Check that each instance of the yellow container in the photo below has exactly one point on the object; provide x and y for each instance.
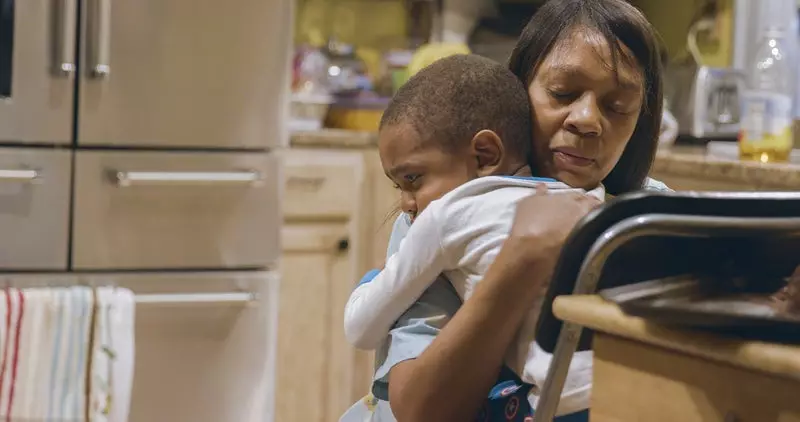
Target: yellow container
(356, 114)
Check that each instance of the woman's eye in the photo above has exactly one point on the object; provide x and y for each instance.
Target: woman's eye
(561, 95)
(621, 108)
(396, 186)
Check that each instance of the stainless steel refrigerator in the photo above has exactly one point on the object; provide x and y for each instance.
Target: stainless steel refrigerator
(138, 147)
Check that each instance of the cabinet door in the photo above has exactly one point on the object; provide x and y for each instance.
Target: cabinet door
(314, 369)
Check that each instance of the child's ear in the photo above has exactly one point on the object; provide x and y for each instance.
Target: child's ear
(488, 149)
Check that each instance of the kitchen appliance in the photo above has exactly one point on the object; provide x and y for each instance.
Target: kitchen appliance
(149, 73)
(704, 101)
(139, 147)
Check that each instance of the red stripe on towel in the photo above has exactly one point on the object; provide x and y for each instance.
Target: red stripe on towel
(5, 346)
(18, 330)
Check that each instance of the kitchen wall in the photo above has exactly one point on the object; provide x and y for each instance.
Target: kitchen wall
(382, 24)
(365, 23)
(672, 20)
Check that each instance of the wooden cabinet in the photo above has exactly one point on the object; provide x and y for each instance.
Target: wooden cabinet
(316, 273)
(334, 207)
(644, 371)
(636, 381)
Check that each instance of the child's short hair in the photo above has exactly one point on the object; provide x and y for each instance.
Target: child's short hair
(458, 96)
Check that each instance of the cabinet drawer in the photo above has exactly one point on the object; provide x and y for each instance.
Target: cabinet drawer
(34, 208)
(320, 189)
(175, 210)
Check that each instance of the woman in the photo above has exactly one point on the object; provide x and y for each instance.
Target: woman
(594, 79)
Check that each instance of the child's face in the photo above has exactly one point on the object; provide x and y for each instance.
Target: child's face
(421, 171)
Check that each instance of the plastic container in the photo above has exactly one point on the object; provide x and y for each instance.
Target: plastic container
(311, 94)
(767, 114)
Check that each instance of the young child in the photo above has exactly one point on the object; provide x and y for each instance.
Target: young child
(455, 140)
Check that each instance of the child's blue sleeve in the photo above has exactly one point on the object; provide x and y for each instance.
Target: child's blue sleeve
(371, 274)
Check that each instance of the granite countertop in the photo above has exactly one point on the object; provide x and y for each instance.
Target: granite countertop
(592, 311)
(693, 162)
(684, 161)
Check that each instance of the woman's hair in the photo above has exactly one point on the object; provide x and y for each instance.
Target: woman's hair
(621, 24)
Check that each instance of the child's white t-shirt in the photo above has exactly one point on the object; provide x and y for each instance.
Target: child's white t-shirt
(460, 235)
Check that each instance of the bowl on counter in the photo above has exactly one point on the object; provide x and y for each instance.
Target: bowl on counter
(361, 113)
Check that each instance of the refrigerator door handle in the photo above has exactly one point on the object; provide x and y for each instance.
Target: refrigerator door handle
(65, 39)
(100, 26)
(150, 178)
(21, 176)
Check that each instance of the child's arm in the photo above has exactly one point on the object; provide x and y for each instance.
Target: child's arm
(382, 297)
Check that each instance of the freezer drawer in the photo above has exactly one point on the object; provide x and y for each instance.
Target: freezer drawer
(34, 208)
(37, 44)
(175, 210)
(201, 73)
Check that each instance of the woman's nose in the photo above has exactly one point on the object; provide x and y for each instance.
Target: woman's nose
(584, 117)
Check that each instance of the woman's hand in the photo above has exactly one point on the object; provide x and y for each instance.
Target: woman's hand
(542, 224)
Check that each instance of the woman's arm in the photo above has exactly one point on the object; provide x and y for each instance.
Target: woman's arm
(451, 378)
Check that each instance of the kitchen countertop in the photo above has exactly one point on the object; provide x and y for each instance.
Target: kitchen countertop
(334, 138)
(596, 313)
(685, 161)
(692, 162)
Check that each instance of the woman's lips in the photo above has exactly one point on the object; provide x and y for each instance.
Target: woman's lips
(572, 157)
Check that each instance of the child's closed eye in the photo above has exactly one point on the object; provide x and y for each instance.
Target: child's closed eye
(408, 182)
(411, 178)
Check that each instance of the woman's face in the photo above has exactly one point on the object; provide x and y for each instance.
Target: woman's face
(583, 113)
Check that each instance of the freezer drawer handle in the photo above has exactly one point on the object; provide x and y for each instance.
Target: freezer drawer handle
(101, 39)
(130, 178)
(65, 43)
(28, 176)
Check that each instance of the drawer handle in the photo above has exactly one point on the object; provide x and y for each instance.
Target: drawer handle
(130, 178)
(19, 175)
(313, 183)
